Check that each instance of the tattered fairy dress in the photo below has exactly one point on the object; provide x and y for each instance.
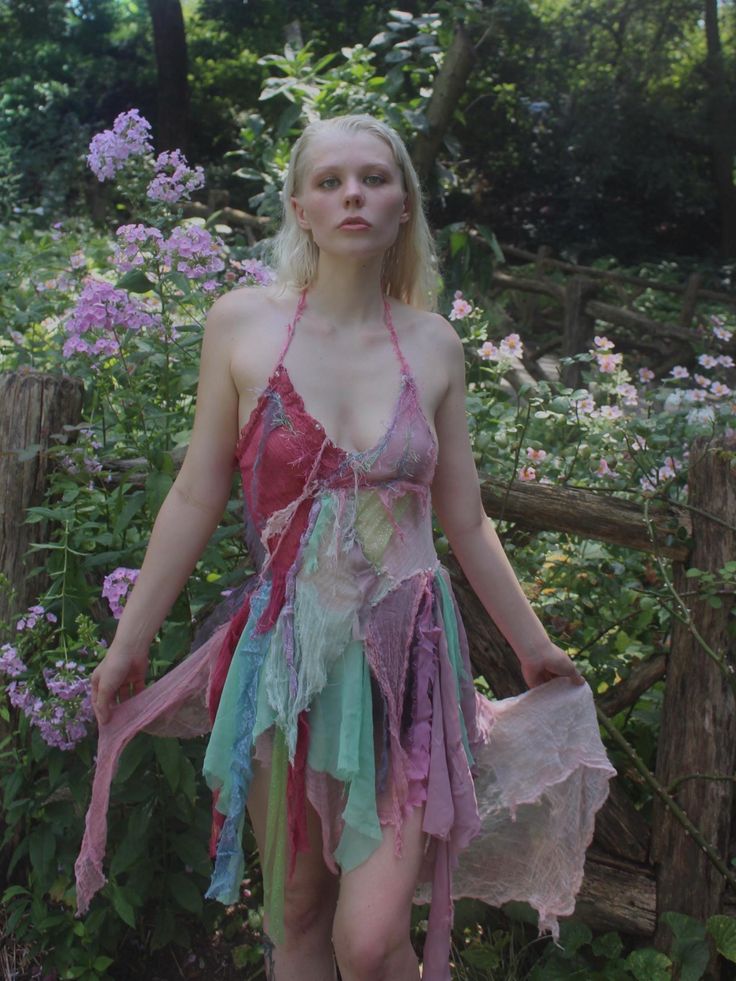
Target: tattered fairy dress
(345, 666)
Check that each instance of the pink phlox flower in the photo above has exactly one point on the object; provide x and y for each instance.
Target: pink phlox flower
(10, 664)
(720, 390)
(100, 314)
(136, 245)
(175, 179)
(110, 149)
(608, 363)
(628, 393)
(707, 360)
(512, 346)
(193, 251)
(645, 375)
(536, 456)
(116, 586)
(603, 343)
(680, 371)
(254, 272)
(527, 473)
(488, 351)
(460, 308)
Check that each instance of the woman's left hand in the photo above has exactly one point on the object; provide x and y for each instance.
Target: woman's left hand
(546, 663)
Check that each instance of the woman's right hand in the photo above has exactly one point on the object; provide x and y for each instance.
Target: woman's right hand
(118, 676)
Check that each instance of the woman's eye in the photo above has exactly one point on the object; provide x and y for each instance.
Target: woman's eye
(374, 179)
(329, 182)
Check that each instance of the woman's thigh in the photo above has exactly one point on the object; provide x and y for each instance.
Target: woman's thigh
(374, 904)
(311, 894)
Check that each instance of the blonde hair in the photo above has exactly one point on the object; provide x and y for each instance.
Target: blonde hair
(409, 271)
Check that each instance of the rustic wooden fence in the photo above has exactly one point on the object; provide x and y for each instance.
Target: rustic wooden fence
(577, 301)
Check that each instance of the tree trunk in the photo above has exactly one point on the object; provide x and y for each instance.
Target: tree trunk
(170, 44)
(34, 407)
(698, 728)
(448, 88)
(720, 125)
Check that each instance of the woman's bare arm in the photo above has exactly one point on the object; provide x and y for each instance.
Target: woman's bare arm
(457, 502)
(187, 518)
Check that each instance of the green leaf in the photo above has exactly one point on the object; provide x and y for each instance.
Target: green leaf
(723, 931)
(101, 964)
(185, 893)
(167, 754)
(573, 936)
(42, 847)
(135, 281)
(12, 891)
(133, 754)
(690, 951)
(122, 907)
(192, 851)
(158, 485)
(609, 946)
(648, 964)
(164, 929)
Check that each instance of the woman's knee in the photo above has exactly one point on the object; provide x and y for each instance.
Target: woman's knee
(309, 910)
(368, 947)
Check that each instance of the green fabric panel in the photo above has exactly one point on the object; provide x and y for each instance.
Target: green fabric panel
(341, 744)
(274, 861)
(217, 760)
(453, 650)
(373, 527)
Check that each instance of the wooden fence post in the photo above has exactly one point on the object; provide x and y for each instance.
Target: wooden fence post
(33, 406)
(578, 326)
(698, 729)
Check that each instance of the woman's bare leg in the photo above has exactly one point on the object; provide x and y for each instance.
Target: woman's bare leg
(373, 915)
(309, 901)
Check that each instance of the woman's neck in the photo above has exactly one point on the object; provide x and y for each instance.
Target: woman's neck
(347, 293)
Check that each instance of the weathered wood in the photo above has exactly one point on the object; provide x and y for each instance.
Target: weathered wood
(620, 830)
(577, 326)
(526, 285)
(636, 321)
(698, 727)
(640, 679)
(605, 274)
(617, 895)
(546, 507)
(690, 300)
(33, 406)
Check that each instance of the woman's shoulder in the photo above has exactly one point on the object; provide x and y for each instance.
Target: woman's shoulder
(425, 329)
(250, 305)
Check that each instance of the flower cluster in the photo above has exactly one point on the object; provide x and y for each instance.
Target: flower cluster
(116, 586)
(111, 149)
(10, 663)
(62, 718)
(253, 272)
(174, 179)
(35, 615)
(460, 307)
(101, 317)
(509, 348)
(196, 253)
(136, 246)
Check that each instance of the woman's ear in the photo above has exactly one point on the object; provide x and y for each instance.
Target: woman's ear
(405, 213)
(299, 212)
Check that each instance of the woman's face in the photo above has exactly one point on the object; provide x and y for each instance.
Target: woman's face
(352, 195)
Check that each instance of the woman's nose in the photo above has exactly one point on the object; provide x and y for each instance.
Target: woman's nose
(353, 192)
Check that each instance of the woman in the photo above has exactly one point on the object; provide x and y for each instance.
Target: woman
(343, 712)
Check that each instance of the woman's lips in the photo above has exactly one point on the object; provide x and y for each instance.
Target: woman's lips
(356, 223)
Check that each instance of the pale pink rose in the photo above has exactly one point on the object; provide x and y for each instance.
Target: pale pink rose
(488, 351)
(608, 363)
(603, 344)
(680, 371)
(707, 360)
(512, 344)
(460, 309)
(527, 473)
(645, 374)
(702, 380)
(611, 411)
(720, 390)
(536, 456)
